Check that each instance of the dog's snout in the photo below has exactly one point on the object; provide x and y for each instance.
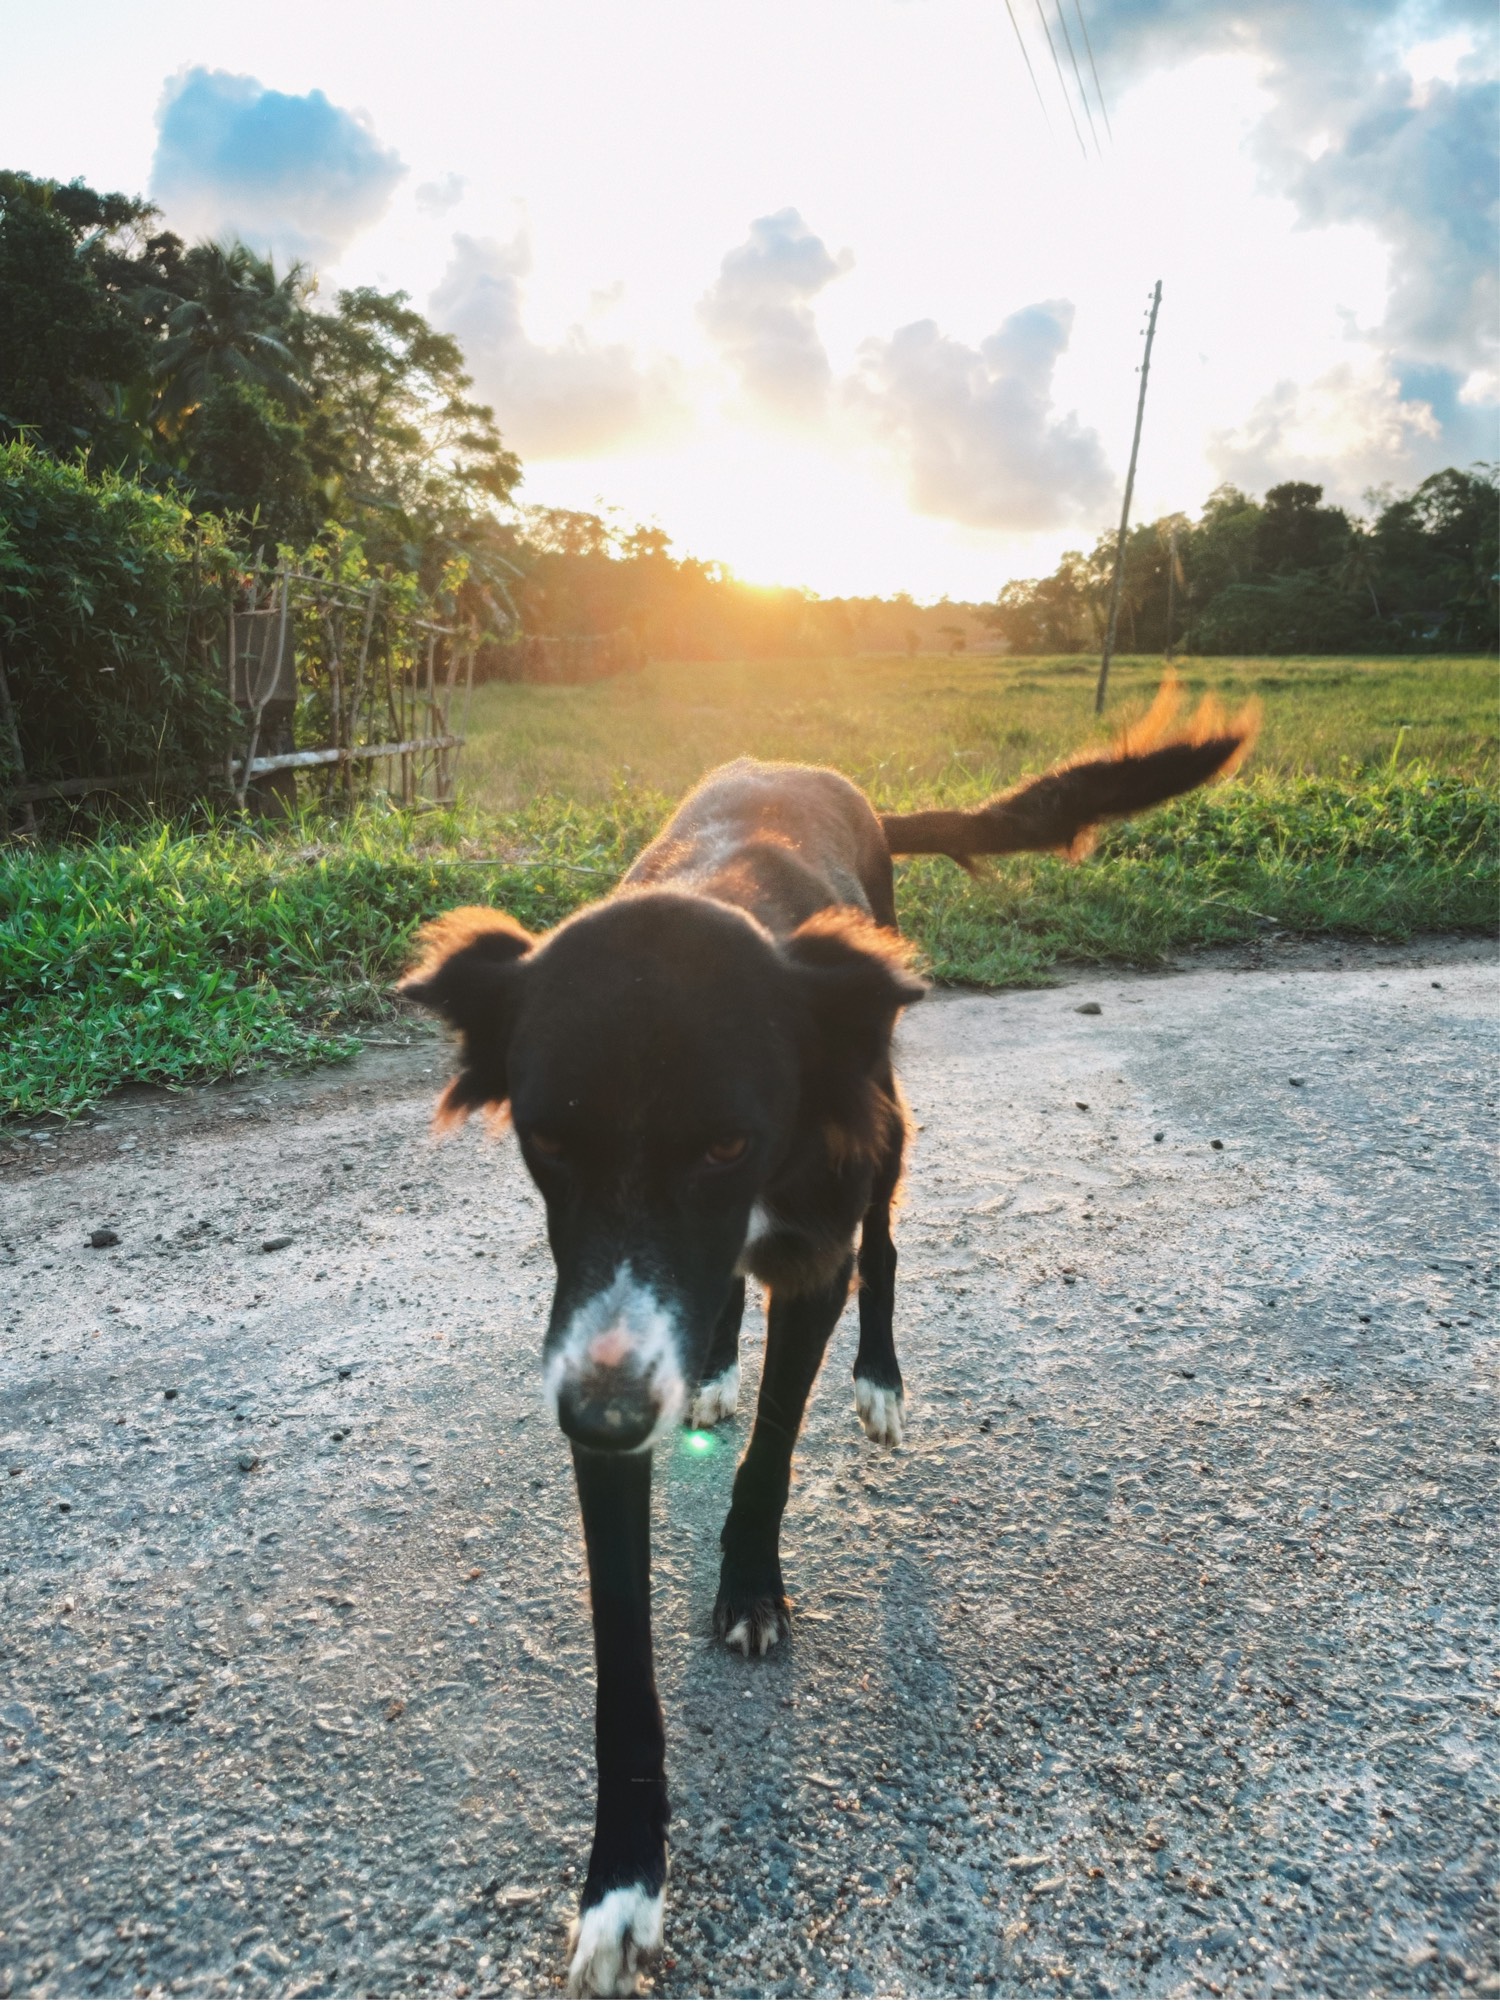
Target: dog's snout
(610, 1404)
(613, 1373)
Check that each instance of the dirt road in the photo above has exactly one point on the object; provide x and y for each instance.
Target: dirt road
(1162, 1660)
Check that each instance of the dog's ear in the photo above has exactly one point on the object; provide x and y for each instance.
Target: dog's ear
(855, 978)
(470, 971)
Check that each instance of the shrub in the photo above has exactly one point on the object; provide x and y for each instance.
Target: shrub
(1294, 614)
(247, 458)
(110, 596)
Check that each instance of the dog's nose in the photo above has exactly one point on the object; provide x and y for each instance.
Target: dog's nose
(613, 1408)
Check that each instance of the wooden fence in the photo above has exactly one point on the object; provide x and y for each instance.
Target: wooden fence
(360, 668)
(369, 674)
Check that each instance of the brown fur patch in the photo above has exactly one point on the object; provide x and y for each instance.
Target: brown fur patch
(453, 932)
(463, 1096)
(1152, 760)
(840, 929)
(1210, 720)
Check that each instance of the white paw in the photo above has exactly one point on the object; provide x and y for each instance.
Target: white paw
(714, 1400)
(882, 1412)
(757, 1632)
(612, 1941)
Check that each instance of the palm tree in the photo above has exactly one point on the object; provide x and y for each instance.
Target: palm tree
(1358, 567)
(237, 323)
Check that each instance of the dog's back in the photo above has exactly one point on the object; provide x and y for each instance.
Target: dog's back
(782, 841)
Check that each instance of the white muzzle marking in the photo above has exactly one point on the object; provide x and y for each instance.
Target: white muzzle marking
(626, 1322)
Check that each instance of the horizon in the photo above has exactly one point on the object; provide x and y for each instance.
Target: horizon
(778, 296)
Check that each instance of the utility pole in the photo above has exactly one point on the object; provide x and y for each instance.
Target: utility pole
(1135, 446)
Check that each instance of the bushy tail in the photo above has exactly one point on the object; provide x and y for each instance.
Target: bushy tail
(1150, 761)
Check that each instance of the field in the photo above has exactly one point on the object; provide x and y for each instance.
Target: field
(959, 728)
(167, 954)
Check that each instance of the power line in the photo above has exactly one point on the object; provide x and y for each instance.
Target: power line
(1062, 22)
(1067, 100)
(1026, 58)
(1098, 89)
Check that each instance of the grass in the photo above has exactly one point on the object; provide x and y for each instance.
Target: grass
(955, 729)
(168, 955)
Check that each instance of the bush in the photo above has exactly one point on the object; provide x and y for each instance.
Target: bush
(245, 457)
(1295, 614)
(109, 597)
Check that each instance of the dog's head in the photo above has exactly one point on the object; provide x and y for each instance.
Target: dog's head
(691, 1097)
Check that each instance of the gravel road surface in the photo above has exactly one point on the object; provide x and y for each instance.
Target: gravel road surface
(1164, 1659)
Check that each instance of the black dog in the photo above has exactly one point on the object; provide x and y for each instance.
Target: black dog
(699, 1073)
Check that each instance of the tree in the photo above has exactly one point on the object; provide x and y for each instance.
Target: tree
(243, 456)
(1435, 554)
(235, 321)
(1220, 548)
(1296, 535)
(1296, 613)
(1056, 614)
(212, 376)
(72, 339)
(1289, 575)
(410, 457)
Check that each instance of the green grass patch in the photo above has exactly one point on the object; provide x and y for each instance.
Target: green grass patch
(1380, 858)
(169, 955)
(939, 729)
(173, 956)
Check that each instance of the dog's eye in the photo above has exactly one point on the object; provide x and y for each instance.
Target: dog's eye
(726, 1152)
(548, 1145)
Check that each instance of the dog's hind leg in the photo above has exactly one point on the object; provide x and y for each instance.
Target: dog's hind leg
(718, 1394)
(878, 1393)
(752, 1613)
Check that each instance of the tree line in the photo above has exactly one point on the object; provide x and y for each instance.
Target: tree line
(1287, 574)
(274, 419)
(202, 374)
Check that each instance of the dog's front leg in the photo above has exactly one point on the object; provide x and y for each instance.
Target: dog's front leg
(619, 1924)
(752, 1614)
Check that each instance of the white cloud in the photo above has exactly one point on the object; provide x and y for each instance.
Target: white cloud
(437, 197)
(572, 400)
(1351, 429)
(299, 176)
(974, 428)
(1365, 126)
(758, 314)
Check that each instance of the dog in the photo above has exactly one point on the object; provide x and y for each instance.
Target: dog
(699, 1072)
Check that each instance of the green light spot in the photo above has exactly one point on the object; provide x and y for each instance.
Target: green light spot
(700, 1442)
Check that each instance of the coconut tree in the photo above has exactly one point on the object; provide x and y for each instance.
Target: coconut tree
(237, 322)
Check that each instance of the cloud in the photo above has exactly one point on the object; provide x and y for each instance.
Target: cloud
(1365, 124)
(1424, 174)
(437, 197)
(974, 426)
(296, 175)
(571, 401)
(758, 315)
(1353, 428)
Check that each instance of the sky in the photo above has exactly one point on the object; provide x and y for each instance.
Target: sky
(850, 293)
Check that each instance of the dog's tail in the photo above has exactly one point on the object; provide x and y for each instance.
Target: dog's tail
(1150, 761)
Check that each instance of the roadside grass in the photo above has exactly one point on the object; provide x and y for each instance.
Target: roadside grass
(172, 954)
